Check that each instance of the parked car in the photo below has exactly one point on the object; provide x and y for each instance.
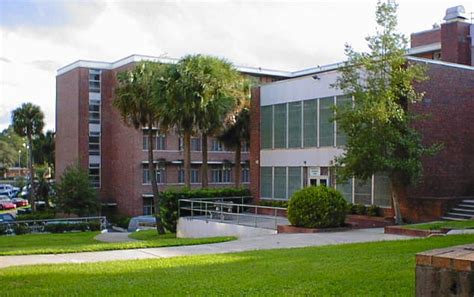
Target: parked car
(8, 190)
(6, 217)
(20, 202)
(6, 203)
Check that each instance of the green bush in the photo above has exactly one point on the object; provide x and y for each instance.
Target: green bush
(68, 227)
(20, 229)
(169, 201)
(360, 209)
(317, 207)
(4, 230)
(119, 220)
(39, 215)
(273, 203)
(373, 211)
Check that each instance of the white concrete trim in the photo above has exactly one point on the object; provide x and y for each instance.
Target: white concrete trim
(425, 48)
(442, 63)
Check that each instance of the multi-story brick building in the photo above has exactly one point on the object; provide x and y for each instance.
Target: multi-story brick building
(89, 130)
(294, 140)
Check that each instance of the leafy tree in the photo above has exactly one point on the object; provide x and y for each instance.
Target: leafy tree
(15, 142)
(234, 135)
(43, 148)
(139, 99)
(75, 194)
(205, 90)
(28, 121)
(379, 125)
(7, 155)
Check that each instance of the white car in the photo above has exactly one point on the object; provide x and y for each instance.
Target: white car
(8, 190)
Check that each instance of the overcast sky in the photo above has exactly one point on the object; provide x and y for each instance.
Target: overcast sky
(38, 37)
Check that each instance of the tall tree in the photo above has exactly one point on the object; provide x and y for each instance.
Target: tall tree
(8, 155)
(379, 126)
(28, 121)
(234, 135)
(139, 97)
(206, 91)
(43, 150)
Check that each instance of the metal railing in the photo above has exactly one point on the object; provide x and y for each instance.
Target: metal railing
(267, 217)
(38, 226)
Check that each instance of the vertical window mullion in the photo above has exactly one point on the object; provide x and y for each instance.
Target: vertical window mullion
(318, 119)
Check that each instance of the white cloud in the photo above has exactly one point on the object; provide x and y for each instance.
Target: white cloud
(279, 35)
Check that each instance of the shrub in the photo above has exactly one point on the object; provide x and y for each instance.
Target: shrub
(20, 229)
(4, 230)
(120, 220)
(169, 201)
(67, 227)
(39, 215)
(360, 209)
(373, 211)
(317, 207)
(273, 203)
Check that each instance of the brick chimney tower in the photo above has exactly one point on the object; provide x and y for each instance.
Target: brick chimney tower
(456, 37)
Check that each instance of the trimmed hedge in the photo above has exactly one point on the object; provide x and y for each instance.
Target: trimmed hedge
(273, 203)
(67, 227)
(39, 215)
(169, 201)
(317, 207)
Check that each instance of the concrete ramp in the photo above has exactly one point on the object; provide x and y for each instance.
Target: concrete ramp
(201, 227)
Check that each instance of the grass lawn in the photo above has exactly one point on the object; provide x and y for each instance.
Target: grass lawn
(442, 224)
(85, 242)
(363, 269)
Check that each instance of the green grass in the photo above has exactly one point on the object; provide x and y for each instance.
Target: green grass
(364, 269)
(84, 242)
(442, 224)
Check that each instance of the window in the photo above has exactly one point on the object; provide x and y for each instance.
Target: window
(279, 191)
(94, 112)
(221, 175)
(342, 102)
(245, 175)
(326, 125)
(294, 124)
(382, 194)
(217, 146)
(245, 147)
(279, 126)
(294, 180)
(195, 144)
(195, 175)
(148, 206)
(362, 192)
(94, 80)
(310, 120)
(94, 177)
(181, 175)
(160, 174)
(345, 189)
(159, 141)
(266, 128)
(266, 182)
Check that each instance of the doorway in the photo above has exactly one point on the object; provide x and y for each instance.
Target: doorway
(320, 180)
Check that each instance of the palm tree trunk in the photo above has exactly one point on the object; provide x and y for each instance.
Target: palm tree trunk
(32, 173)
(394, 189)
(154, 186)
(238, 167)
(204, 169)
(187, 158)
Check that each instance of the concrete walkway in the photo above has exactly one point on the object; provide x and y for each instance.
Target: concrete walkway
(114, 237)
(245, 244)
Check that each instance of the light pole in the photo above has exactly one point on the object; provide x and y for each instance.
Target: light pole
(19, 158)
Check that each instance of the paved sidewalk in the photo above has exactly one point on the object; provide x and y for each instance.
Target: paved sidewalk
(240, 245)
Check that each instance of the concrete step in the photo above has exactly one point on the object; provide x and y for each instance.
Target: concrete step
(469, 211)
(466, 205)
(446, 218)
(469, 201)
(459, 215)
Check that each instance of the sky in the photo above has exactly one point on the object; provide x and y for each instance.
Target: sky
(39, 36)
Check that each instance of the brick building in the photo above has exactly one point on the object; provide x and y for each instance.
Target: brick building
(294, 142)
(89, 130)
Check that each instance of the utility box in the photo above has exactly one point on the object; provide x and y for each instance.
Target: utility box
(445, 272)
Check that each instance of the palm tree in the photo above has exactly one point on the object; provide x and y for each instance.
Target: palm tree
(234, 135)
(205, 92)
(28, 120)
(139, 97)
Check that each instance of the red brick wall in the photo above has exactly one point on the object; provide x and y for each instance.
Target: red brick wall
(255, 144)
(450, 114)
(425, 37)
(455, 43)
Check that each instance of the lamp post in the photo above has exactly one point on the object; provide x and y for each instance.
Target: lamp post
(19, 158)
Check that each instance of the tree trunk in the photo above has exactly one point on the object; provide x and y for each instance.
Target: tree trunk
(154, 186)
(187, 158)
(394, 189)
(204, 170)
(32, 173)
(238, 167)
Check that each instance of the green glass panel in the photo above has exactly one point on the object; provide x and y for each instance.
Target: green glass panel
(294, 180)
(266, 129)
(279, 126)
(362, 192)
(326, 125)
(266, 182)
(294, 124)
(310, 119)
(342, 102)
(345, 189)
(382, 195)
(279, 191)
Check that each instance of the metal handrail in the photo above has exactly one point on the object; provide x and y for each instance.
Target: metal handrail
(37, 224)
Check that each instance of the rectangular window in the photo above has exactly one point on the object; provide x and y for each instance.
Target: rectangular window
(294, 180)
(94, 80)
(195, 144)
(148, 206)
(294, 124)
(279, 126)
(382, 194)
(266, 126)
(345, 189)
(266, 182)
(342, 102)
(159, 142)
(160, 174)
(279, 190)
(326, 125)
(94, 177)
(181, 175)
(245, 147)
(195, 175)
(245, 175)
(216, 146)
(221, 175)
(310, 120)
(362, 192)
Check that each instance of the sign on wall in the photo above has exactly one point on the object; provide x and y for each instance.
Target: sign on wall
(314, 171)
